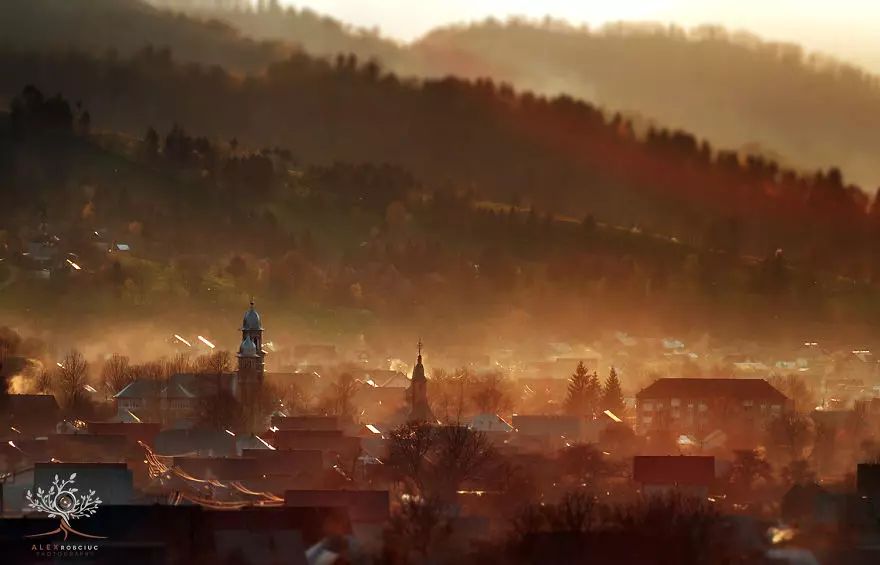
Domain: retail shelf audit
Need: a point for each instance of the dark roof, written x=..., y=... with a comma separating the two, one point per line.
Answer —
x=133, y=432
x=746, y=389
x=180, y=442
x=180, y=385
x=674, y=469
x=556, y=425
x=219, y=468
x=363, y=505
x=286, y=461
x=310, y=423
x=32, y=404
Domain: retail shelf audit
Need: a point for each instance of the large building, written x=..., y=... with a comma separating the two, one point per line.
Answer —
x=176, y=397
x=699, y=406
x=251, y=357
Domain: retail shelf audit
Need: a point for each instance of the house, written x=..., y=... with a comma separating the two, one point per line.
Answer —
x=662, y=475
x=172, y=399
x=490, y=423
x=686, y=406
x=33, y=414
x=313, y=423
x=548, y=426
x=133, y=432
x=204, y=443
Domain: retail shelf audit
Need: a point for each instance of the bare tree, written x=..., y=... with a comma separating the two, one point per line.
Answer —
x=339, y=400
x=215, y=363
x=449, y=394
x=584, y=463
x=45, y=382
x=491, y=394
x=792, y=431
x=72, y=379
x=437, y=460
x=178, y=364
x=220, y=411
x=116, y=374
x=420, y=527
x=574, y=513
x=797, y=472
x=796, y=389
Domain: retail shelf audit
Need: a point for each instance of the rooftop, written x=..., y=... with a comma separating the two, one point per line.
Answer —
x=745, y=389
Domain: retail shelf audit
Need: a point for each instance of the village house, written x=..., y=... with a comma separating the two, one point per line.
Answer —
x=700, y=406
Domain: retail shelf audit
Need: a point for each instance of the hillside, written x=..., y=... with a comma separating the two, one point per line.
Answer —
x=124, y=27
x=355, y=249
x=731, y=88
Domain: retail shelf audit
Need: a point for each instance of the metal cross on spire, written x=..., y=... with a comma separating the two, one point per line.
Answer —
x=420, y=347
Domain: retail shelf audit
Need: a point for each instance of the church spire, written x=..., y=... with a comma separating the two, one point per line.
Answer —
x=419, y=361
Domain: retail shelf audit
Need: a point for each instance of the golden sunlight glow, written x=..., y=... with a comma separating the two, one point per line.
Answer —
x=611, y=415
x=181, y=340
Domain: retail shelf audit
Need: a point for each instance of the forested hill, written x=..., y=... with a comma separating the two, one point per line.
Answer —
x=559, y=154
x=731, y=88
x=124, y=27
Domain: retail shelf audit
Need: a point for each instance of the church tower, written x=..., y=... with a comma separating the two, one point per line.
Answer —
x=420, y=410
x=251, y=357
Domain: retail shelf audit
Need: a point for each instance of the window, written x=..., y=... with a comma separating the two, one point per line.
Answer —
x=675, y=403
x=647, y=406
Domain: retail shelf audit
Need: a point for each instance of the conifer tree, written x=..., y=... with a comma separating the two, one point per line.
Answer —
x=584, y=391
x=612, y=395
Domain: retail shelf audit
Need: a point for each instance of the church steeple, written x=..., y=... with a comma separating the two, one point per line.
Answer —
x=251, y=357
x=420, y=409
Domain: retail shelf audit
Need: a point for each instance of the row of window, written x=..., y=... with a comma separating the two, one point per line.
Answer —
x=675, y=404
x=138, y=403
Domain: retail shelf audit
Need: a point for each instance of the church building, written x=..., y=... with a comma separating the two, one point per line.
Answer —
x=251, y=370
x=420, y=411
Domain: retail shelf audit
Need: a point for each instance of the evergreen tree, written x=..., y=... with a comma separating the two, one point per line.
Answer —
x=584, y=390
x=612, y=395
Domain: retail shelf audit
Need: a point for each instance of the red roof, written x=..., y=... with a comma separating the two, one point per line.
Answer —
x=743, y=389
x=674, y=470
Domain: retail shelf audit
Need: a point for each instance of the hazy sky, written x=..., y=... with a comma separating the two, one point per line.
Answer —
x=844, y=28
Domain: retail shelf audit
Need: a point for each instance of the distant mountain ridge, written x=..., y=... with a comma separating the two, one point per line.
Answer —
x=729, y=87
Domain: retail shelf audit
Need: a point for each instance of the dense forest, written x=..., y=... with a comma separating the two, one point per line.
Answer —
x=730, y=87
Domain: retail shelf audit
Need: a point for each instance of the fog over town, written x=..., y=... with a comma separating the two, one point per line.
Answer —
x=276, y=289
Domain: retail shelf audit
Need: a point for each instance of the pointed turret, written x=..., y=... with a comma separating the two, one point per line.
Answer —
x=421, y=410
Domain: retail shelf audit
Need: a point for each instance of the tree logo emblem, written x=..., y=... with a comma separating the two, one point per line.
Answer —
x=62, y=501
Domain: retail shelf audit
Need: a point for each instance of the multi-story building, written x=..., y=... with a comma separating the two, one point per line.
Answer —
x=701, y=406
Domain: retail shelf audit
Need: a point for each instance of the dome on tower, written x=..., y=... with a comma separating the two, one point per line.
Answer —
x=251, y=319
x=248, y=348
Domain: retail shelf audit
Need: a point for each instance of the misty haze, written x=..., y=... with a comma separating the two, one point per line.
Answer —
x=278, y=289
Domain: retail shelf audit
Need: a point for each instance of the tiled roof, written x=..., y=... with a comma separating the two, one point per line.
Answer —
x=141, y=388
x=180, y=385
x=311, y=423
x=30, y=404
x=746, y=389
x=674, y=469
